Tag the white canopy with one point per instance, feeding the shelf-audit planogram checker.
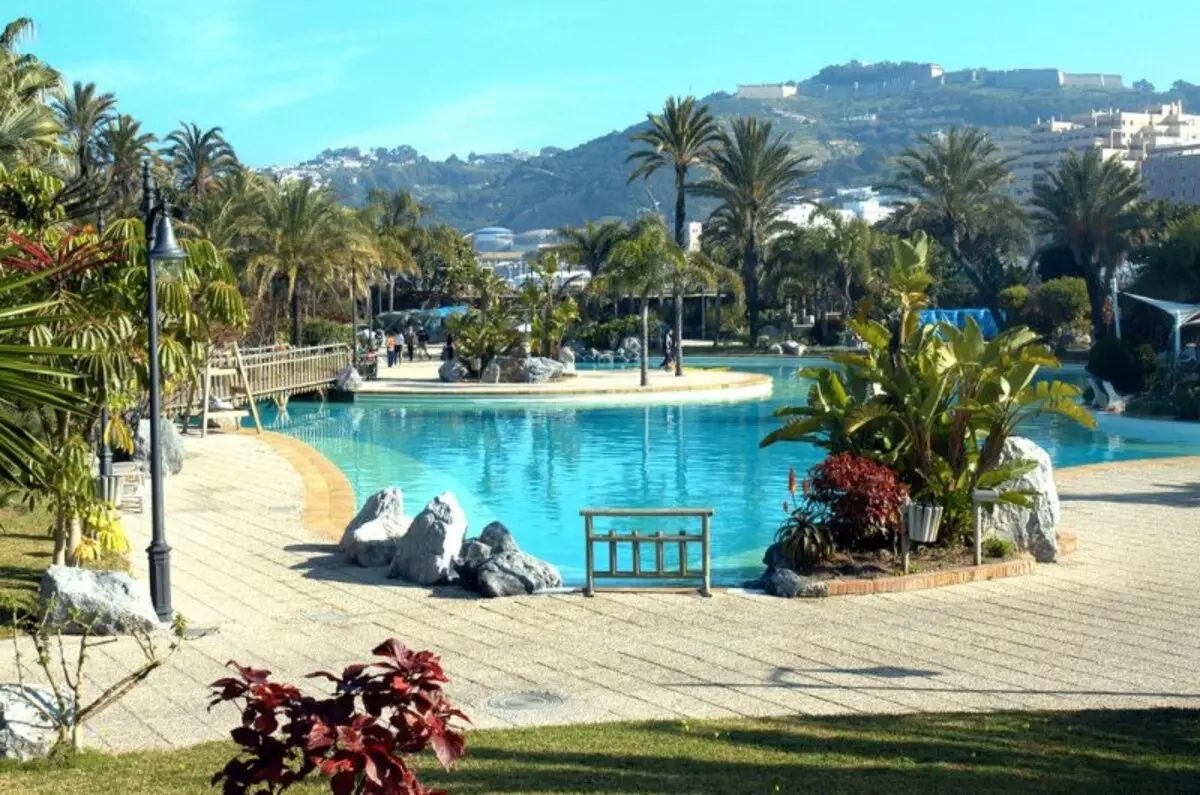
(1181, 314)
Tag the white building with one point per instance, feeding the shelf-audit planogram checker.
(694, 230)
(766, 91)
(1173, 174)
(1129, 137)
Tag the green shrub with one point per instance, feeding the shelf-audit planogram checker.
(1113, 360)
(608, 335)
(1013, 301)
(1058, 303)
(319, 331)
(1187, 402)
(996, 547)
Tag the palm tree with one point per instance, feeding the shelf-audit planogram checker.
(642, 263)
(1092, 206)
(753, 174)
(694, 270)
(83, 113)
(395, 218)
(678, 138)
(123, 146)
(29, 129)
(200, 157)
(590, 246)
(300, 236)
(950, 189)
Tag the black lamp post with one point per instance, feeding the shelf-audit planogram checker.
(106, 455)
(162, 246)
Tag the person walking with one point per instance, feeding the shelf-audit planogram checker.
(410, 341)
(448, 348)
(668, 350)
(423, 342)
(391, 350)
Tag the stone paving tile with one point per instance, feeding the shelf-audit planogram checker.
(1110, 626)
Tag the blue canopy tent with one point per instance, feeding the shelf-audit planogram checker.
(958, 318)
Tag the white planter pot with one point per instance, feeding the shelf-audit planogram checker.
(922, 522)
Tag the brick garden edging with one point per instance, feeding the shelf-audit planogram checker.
(931, 579)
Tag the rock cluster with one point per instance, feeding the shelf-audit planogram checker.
(628, 352)
(780, 580)
(432, 548)
(518, 370)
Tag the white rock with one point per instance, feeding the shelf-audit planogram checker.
(348, 380)
(566, 357)
(491, 373)
(793, 348)
(110, 602)
(25, 732)
(1032, 531)
(374, 543)
(168, 439)
(426, 554)
(539, 370)
(386, 504)
(452, 371)
(775, 349)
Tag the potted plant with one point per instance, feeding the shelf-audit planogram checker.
(922, 521)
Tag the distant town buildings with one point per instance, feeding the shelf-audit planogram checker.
(1128, 136)
(1173, 174)
(858, 79)
(766, 91)
(865, 204)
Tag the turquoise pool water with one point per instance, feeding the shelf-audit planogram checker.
(534, 465)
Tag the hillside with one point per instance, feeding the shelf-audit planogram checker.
(850, 138)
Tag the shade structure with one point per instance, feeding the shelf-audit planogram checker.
(1181, 314)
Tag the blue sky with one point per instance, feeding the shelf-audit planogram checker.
(286, 78)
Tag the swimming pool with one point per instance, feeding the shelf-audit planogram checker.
(533, 465)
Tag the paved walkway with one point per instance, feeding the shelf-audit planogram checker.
(1113, 626)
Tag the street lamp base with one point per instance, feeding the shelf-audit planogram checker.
(160, 581)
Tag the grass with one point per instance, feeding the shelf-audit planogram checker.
(26, 549)
(1094, 752)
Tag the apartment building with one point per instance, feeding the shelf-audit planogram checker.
(1125, 135)
(1173, 174)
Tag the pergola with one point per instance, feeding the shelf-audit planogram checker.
(1181, 315)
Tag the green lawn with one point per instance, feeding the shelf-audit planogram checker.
(1094, 752)
(25, 552)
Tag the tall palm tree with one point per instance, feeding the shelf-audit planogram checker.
(1092, 206)
(590, 246)
(395, 218)
(29, 128)
(695, 269)
(83, 114)
(199, 157)
(642, 263)
(753, 174)
(678, 138)
(300, 236)
(123, 146)
(950, 188)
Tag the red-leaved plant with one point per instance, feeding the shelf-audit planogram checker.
(358, 737)
(862, 499)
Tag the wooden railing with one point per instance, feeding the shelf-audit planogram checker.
(659, 570)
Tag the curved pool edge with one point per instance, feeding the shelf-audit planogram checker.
(727, 387)
(329, 500)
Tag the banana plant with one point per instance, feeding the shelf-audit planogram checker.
(936, 403)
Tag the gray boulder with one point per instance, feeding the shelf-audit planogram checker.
(515, 573)
(792, 348)
(109, 602)
(607, 357)
(630, 347)
(25, 732)
(427, 553)
(1032, 531)
(386, 505)
(540, 370)
(775, 349)
(348, 380)
(491, 373)
(168, 439)
(452, 371)
(495, 566)
(374, 544)
(566, 357)
(790, 585)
